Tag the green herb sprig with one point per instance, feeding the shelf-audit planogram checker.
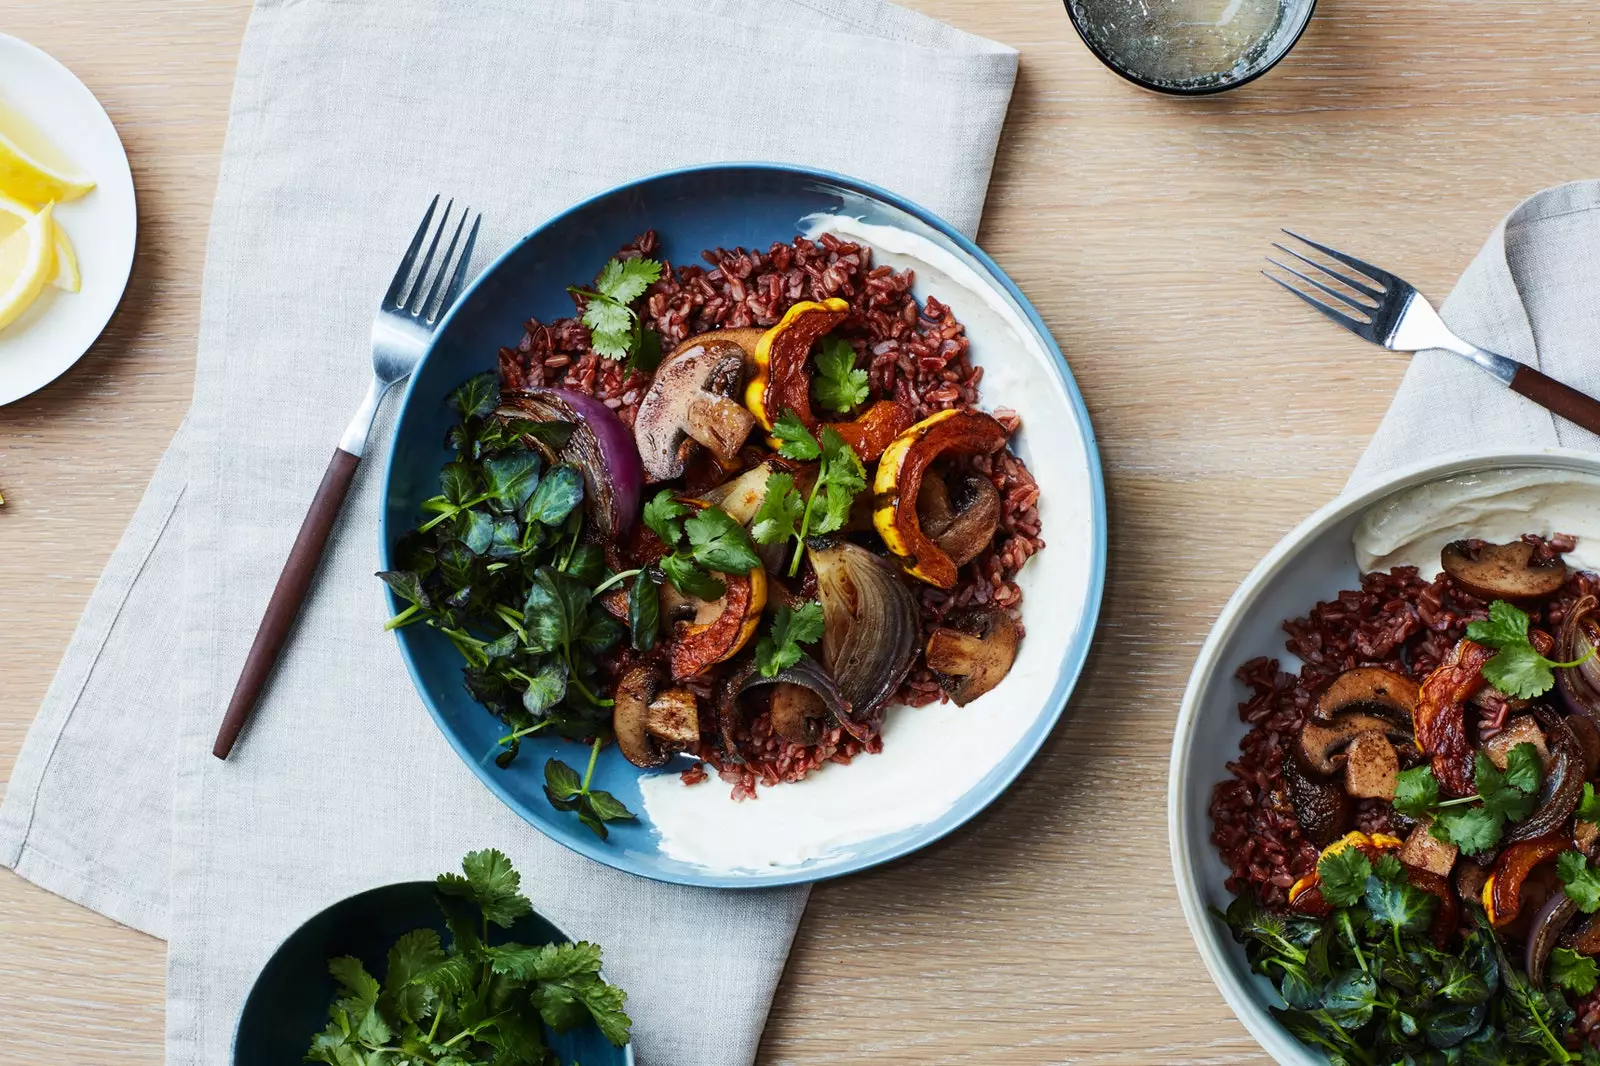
(1474, 823)
(615, 329)
(701, 540)
(840, 478)
(479, 1000)
(566, 792)
(1517, 668)
(838, 384)
(780, 648)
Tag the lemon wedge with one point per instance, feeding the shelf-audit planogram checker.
(14, 214)
(33, 169)
(27, 260)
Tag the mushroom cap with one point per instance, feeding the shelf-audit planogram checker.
(1502, 571)
(699, 374)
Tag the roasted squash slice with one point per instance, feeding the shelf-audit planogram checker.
(899, 480)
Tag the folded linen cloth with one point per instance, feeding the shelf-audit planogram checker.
(347, 116)
(1531, 295)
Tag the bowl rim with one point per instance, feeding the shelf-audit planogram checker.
(1174, 90)
(350, 900)
(1272, 1037)
(1071, 664)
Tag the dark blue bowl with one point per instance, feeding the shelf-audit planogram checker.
(722, 205)
(289, 1003)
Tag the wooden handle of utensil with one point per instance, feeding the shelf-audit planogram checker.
(1552, 395)
(287, 597)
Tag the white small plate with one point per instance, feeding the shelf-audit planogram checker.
(60, 326)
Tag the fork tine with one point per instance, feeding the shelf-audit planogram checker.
(1353, 325)
(411, 304)
(1376, 294)
(1376, 274)
(444, 268)
(1329, 289)
(401, 276)
(462, 265)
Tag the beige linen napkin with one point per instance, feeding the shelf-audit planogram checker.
(347, 116)
(1533, 294)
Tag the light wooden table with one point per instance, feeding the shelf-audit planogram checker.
(1047, 931)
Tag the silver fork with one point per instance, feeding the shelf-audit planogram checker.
(1379, 307)
(410, 311)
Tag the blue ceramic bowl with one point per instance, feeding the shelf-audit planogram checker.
(289, 1003)
(725, 205)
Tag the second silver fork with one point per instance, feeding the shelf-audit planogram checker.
(1384, 309)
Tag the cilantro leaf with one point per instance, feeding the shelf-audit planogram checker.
(841, 479)
(625, 280)
(1589, 806)
(1343, 876)
(360, 1000)
(1576, 973)
(838, 385)
(1581, 881)
(606, 316)
(1416, 791)
(687, 576)
(411, 960)
(664, 515)
(718, 542)
(780, 648)
(794, 439)
(1517, 668)
(608, 345)
(778, 517)
(1499, 796)
(1524, 769)
(1389, 867)
(1472, 829)
(492, 884)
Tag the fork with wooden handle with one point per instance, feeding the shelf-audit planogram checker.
(1379, 307)
(410, 311)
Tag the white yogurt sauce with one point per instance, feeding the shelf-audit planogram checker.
(1411, 527)
(932, 756)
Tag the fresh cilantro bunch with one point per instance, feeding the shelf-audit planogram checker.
(1474, 823)
(615, 329)
(840, 478)
(1368, 986)
(715, 542)
(780, 648)
(1517, 668)
(567, 793)
(837, 384)
(481, 1000)
(499, 570)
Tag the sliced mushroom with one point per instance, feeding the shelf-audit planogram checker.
(962, 527)
(650, 723)
(797, 713)
(1502, 571)
(1320, 806)
(1322, 745)
(1371, 766)
(691, 399)
(978, 662)
(1368, 688)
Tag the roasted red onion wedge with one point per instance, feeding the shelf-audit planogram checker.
(869, 635)
(1545, 932)
(1563, 782)
(792, 713)
(602, 449)
(1580, 685)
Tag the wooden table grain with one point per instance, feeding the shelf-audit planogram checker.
(1047, 931)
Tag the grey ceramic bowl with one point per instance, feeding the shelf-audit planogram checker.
(1312, 563)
